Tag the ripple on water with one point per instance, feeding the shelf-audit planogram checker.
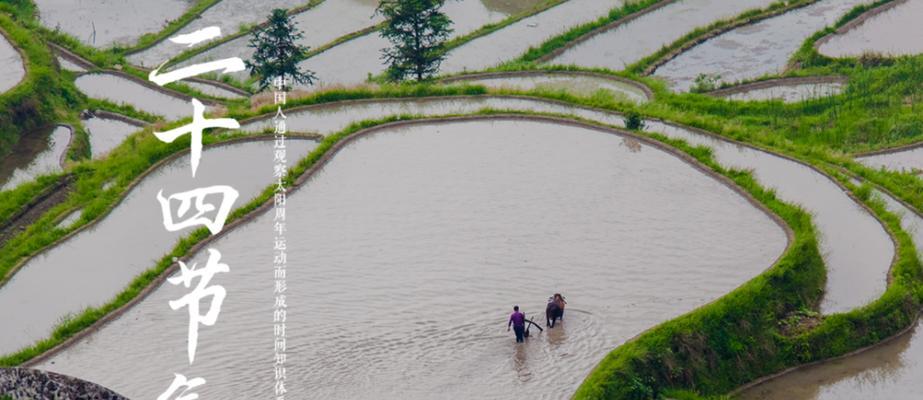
(107, 256)
(409, 248)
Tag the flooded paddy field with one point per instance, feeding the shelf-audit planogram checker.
(36, 153)
(906, 159)
(514, 40)
(791, 90)
(321, 24)
(105, 257)
(752, 51)
(857, 249)
(214, 90)
(12, 69)
(354, 61)
(629, 42)
(107, 132)
(380, 299)
(120, 89)
(229, 15)
(888, 371)
(578, 84)
(109, 22)
(892, 30)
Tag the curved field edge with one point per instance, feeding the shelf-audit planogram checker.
(92, 318)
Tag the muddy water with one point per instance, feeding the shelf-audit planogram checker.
(629, 43)
(35, 154)
(580, 85)
(630, 234)
(121, 90)
(856, 248)
(128, 241)
(791, 93)
(69, 65)
(102, 23)
(752, 51)
(321, 25)
(894, 32)
(909, 160)
(513, 40)
(353, 61)
(213, 90)
(107, 133)
(891, 371)
(229, 15)
(327, 120)
(11, 68)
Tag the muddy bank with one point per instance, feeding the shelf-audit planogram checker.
(21, 383)
(108, 254)
(106, 23)
(752, 51)
(36, 153)
(575, 83)
(468, 214)
(892, 29)
(51, 197)
(629, 40)
(789, 90)
(12, 69)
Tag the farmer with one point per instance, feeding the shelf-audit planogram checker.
(518, 322)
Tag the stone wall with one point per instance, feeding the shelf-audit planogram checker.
(21, 383)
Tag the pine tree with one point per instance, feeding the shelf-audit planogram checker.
(417, 30)
(277, 52)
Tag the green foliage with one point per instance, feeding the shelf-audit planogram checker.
(417, 30)
(634, 121)
(705, 83)
(277, 53)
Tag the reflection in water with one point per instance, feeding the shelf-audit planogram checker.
(894, 32)
(35, 154)
(752, 51)
(11, 68)
(128, 241)
(503, 212)
(890, 371)
(630, 42)
(229, 15)
(107, 133)
(791, 93)
(121, 90)
(104, 23)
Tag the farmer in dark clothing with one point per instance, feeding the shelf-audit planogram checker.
(518, 322)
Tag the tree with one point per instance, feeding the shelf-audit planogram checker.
(417, 31)
(277, 54)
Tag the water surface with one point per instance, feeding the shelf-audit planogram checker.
(791, 93)
(406, 254)
(121, 90)
(890, 371)
(213, 90)
(630, 42)
(354, 61)
(102, 23)
(894, 32)
(128, 241)
(36, 153)
(107, 133)
(11, 68)
(229, 15)
(580, 85)
(752, 51)
(906, 160)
